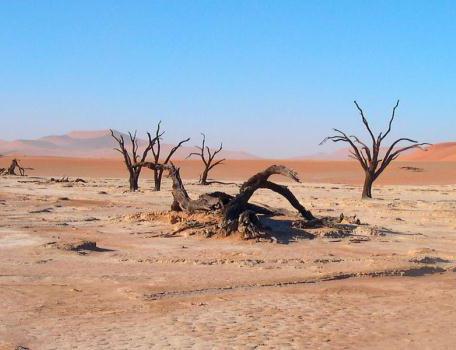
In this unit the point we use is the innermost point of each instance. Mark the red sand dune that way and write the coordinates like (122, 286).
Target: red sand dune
(99, 144)
(438, 152)
(94, 144)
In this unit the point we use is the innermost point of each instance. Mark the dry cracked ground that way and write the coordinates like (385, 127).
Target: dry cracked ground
(144, 287)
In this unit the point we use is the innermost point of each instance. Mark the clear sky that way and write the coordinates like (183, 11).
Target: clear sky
(269, 77)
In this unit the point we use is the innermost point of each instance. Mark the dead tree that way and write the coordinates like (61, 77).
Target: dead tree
(11, 170)
(207, 156)
(156, 151)
(372, 162)
(132, 161)
(236, 213)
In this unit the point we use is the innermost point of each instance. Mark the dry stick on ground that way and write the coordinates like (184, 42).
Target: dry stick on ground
(207, 156)
(369, 158)
(133, 160)
(158, 172)
(236, 213)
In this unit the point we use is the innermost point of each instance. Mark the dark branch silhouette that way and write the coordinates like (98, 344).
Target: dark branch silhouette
(11, 170)
(156, 151)
(236, 213)
(132, 159)
(207, 156)
(369, 157)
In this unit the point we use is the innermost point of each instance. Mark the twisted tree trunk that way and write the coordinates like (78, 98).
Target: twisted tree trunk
(134, 179)
(157, 180)
(203, 179)
(207, 156)
(367, 187)
(369, 157)
(236, 213)
(133, 162)
(238, 204)
(156, 151)
(11, 170)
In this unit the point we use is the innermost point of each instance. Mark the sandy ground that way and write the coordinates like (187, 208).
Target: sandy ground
(341, 172)
(147, 289)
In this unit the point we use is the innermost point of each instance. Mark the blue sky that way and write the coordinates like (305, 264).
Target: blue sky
(270, 77)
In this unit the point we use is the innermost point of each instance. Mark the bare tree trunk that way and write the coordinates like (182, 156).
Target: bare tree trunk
(133, 162)
(207, 156)
(203, 179)
(12, 167)
(134, 179)
(11, 170)
(156, 151)
(369, 158)
(367, 187)
(157, 180)
(158, 176)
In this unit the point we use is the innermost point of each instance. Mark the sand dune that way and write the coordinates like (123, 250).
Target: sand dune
(445, 151)
(99, 144)
(438, 152)
(93, 144)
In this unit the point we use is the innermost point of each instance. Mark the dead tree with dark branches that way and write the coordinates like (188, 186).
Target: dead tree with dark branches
(372, 159)
(235, 213)
(11, 170)
(132, 159)
(156, 151)
(207, 156)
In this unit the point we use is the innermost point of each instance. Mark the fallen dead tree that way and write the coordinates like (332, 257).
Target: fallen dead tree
(233, 213)
(65, 179)
(11, 170)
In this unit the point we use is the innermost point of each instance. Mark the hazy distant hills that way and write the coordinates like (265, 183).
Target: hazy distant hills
(93, 144)
(100, 144)
(339, 154)
(445, 151)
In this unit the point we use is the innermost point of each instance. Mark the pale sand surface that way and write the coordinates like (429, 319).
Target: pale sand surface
(346, 172)
(146, 289)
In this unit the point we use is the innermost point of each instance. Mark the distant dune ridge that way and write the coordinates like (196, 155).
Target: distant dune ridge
(100, 144)
(439, 152)
(445, 152)
(93, 144)
(338, 154)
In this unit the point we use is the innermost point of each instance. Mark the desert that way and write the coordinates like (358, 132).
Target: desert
(143, 286)
(210, 174)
